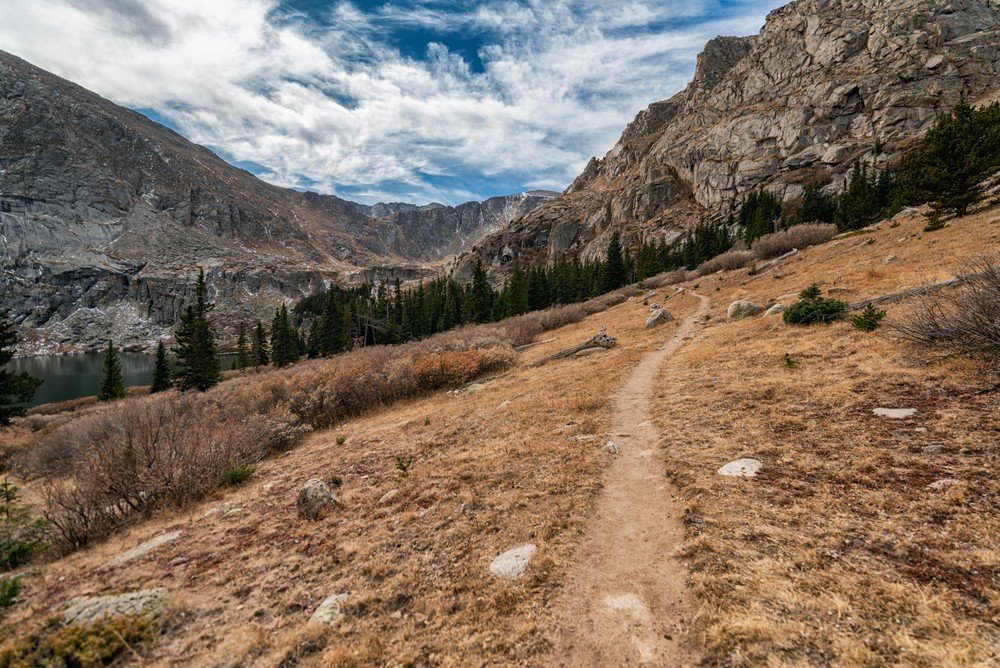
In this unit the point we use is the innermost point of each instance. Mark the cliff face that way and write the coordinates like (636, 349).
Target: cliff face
(793, 105)
(105, 217)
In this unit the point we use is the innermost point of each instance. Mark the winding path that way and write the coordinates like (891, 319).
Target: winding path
(626, 602)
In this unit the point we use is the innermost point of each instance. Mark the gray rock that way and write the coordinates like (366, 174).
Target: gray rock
(512, 563)
(87, 609)
(895, 413)
(891, 259)
(741, 309)
(315, 500)
(658, 317)
(329, 611)
(935, 449)
(740, 468)
(388, 497)
(144, 548)
(775, 309)
(612, 448)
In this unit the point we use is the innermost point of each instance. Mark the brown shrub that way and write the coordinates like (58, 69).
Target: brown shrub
(734, 259)
(794, 238)
(669, 278)
(965, 320)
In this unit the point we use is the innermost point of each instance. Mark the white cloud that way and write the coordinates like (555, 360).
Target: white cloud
(338, 106)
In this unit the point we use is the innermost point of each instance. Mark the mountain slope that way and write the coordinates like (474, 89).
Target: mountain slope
(793, 105)
(105, 215)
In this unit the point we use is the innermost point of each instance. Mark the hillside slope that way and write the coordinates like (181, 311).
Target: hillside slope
(797, 104)
(105, 217)
(844, 550)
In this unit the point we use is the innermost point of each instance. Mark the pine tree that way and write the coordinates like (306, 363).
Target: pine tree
(260, 353)
(161, 370)
(346, 329)
(283, 350)
(615, 271)
(312, 344)
(198, 366)
(330, 326)
(242, 354)
(112, 380)
(15, 388)
(479, 298)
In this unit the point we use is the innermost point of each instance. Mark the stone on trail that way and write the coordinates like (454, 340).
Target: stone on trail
(612, 448)
(658, 317)
(895, 413)
(144, 548)
(741, 308)
(315, 499)
(87, 609)
(329, 611)
(512, 563)
(741, 468)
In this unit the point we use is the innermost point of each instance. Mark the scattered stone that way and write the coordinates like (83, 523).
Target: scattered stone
(943, 484)
(475, 388)
(584, 437)
(654, 307)
(895, 413)
(512, 563)
(329, 611)
(232, 512)
(775, 309)
(741, 468)
(179, 561)
(933, 449)
(144, 548)
(315, 499)
(905, 213)
(658, 317)
(741, 308)
(839, 291)
(890, 260)
(612, 448)
(87, 609)
(388, 496)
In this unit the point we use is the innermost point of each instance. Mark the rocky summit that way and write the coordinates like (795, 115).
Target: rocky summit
(797, 104)
(106, 216)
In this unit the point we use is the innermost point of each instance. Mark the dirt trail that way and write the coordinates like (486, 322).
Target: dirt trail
(625, 602)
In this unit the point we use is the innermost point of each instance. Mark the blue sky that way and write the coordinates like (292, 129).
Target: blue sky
(376, 101)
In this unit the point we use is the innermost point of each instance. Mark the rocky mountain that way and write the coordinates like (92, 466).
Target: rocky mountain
(105, 217)
(793, 105)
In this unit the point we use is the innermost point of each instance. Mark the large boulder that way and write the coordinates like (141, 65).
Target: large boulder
(315, 500)
(658, 317)
(741, 308)
(89, 609)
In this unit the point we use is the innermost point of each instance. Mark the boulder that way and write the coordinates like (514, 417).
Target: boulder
(388, 496)
(512, 563)
(658, 317)
(895, 413)
(741, 308)
(741, 468)
(315, 500)
(775, 309)
(329, 611)
(88, 609)
(612, 448)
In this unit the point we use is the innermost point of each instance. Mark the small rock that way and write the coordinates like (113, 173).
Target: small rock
(315, 499)
(329, 611)
(388, 496)
(775, 309)
(144, 548)
(741, 308)
(512, 563)
(943, 484)
(905, 213)
(612, 448)
(890, 260)
(933, 449)
(654, 307)
(658, 317)
(87, 609)
(741, 468)
(895, 413)
(475, 388)
(179, 561)
(839, 291)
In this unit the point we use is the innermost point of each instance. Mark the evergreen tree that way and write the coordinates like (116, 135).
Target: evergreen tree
(312, 346)
(242, 354)
(198, 366)
(347, 329)
(260, 352)
(112, 380)
(615, 273)
(759, 215)
(479, 298)
(517, 291)
(283, 350)
(161, 370)
(15, 388)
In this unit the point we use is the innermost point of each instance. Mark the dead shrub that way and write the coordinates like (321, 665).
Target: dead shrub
(669, 278)
(965, 320)
(734, 259)
(794, 238)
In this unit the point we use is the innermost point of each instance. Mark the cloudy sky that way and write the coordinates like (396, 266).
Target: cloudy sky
(437, 100)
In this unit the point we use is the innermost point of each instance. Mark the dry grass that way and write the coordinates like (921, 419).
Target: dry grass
(839, 552)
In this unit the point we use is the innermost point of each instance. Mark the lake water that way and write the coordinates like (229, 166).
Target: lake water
(71, 376)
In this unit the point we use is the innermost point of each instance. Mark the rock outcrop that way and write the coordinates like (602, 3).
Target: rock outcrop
(105, 217)
(793, 105)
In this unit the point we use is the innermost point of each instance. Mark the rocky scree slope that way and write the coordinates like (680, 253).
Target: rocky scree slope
(794, 105)
(105, 217)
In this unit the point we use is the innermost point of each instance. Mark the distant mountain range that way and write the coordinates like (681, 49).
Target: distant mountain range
(797, 104)
(105, 217)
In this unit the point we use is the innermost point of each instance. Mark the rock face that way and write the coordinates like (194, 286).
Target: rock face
(87, 609)
(315, 500)
(105, 217)
(793, 105)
